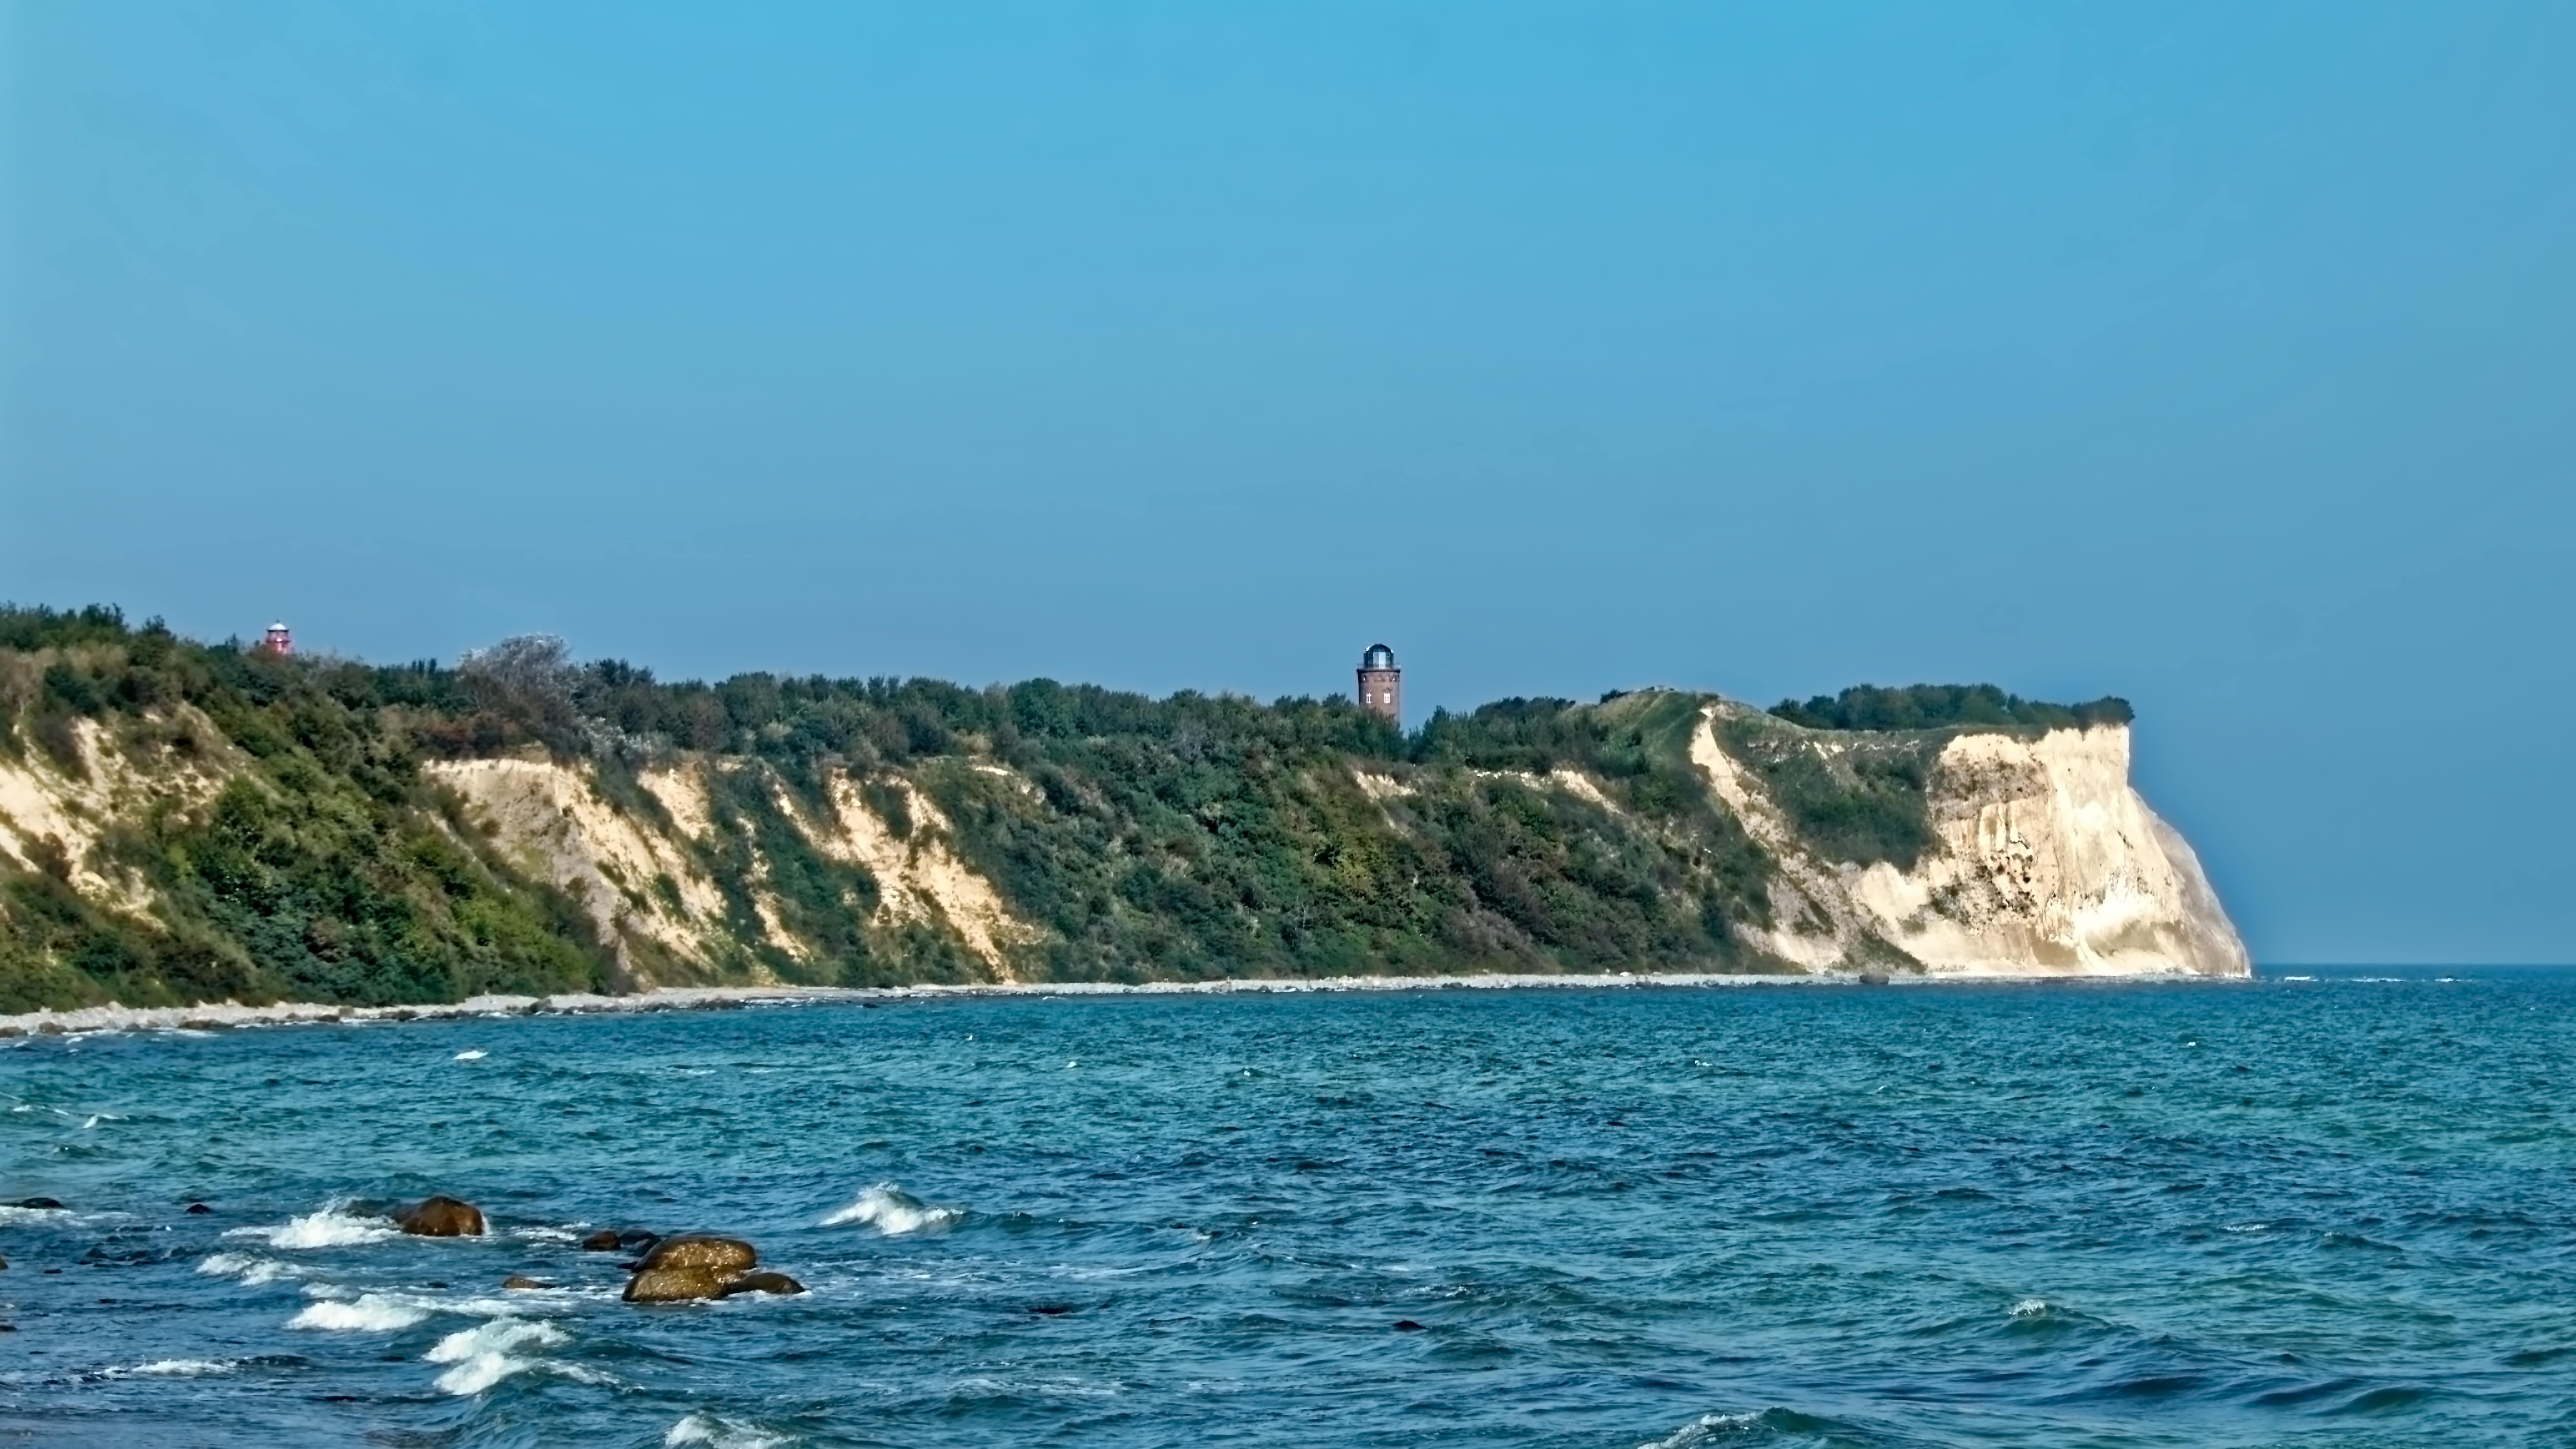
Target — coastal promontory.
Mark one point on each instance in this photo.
(187, 822)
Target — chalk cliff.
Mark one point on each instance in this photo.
(2047, 863)
(190, 823)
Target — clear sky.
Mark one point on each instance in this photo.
(2219, 356)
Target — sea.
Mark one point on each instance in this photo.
(2326, 1207)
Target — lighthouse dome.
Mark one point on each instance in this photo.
(1378, 657)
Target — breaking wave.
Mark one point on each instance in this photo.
(329, 1228)
(484, 1356)
(175, 1368)
(1704, 1429)
(253, 1271)
(370, 1313)
(894, 1212)
(718, 1433)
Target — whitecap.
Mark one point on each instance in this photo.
(253, 1271)
(718, 1433)
(266, 1271)
(181, 1368)
(329, 1228)
(475, 1055)
(2030, 1308)
(371, 1313)
(483, 1355)
(2246, 1227)
(186, 1368)
(1703, 1429)
(894, 1212)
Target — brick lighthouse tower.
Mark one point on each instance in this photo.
(1382, 685)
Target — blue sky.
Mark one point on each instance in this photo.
(2217, 356)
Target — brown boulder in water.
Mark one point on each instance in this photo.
(696, 1250)
(521, 1282)
(763, 1283)
(442, 1217)
(673, 1285)
(603, 1241)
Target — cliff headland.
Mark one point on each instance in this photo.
(183, 822)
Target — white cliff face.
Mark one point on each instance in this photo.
(2048, 863)
(642, 882)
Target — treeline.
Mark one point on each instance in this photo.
(1942, 706)
(529, 691)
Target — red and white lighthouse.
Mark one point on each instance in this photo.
(277, 640)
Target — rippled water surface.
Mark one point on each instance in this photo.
(2333, 1211)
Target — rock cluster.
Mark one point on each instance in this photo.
(694, 1266)
(683, 1268)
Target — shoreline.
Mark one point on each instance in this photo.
(226, 1016)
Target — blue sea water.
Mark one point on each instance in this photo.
(2327, 1211)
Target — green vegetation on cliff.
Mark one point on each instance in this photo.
(259, 828)
(1942, 706)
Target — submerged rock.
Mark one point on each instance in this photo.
(603, 1241)
(699, 1250)
(442, 1217)
(521, 1282)
(763, 1283)
(673, 1285)
(198, 1209)
(38, 1202)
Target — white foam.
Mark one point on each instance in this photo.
(371, 1313)
(894, 1212)
(483, 1355)
(2030, 1308)
(718, 1433)
(329, 1228)
(184, 1368)
(1703, 1429)
(251, 1270)
(475, 1055)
